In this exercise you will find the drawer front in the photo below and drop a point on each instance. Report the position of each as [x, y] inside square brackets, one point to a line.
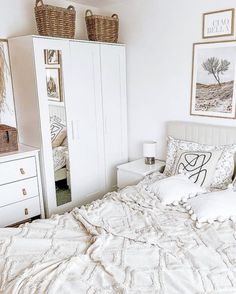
[17, 170]
[125, 178]
[19, 211]
[18, 191]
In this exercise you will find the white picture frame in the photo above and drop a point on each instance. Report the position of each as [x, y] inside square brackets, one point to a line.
[213, 93]
[218, 23]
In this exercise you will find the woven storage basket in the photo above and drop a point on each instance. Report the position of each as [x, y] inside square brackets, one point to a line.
[8, 139]
[55, 21]
[102, 28]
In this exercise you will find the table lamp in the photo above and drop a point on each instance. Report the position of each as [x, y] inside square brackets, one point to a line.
[149, 152]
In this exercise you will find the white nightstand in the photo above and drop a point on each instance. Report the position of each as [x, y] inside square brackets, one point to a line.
[132, 172]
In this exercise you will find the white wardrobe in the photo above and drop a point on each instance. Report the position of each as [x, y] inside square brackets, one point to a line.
[93, 81]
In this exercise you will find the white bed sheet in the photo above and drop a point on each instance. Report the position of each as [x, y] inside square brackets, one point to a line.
[127, 242]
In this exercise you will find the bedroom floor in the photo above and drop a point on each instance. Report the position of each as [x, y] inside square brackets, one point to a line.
[63, 193]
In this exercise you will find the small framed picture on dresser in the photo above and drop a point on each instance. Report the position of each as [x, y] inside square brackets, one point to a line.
[218, 23]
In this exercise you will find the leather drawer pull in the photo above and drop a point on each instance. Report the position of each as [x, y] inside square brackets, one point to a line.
[24, 191]
[26, 211]
[22, 171]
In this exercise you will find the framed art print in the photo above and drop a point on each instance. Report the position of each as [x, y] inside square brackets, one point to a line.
[7, 108]
[53, 80]
[52, 57]
[218, 23]
[213, 91]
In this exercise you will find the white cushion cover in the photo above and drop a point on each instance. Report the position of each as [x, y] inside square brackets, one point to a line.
[173, 189]
[58, 131]
[214, 206]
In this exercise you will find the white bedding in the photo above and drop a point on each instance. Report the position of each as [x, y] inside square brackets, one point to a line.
[126, 243]
[59, 157]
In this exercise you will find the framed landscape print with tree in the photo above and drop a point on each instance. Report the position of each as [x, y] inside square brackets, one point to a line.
[213, 91]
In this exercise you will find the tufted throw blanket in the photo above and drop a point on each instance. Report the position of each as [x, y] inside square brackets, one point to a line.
[125, 243]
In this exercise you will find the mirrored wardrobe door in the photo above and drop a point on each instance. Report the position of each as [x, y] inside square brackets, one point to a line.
[52, 66]
[58, 125]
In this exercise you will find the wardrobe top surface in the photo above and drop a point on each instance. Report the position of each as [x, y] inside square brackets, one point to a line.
[74, 40]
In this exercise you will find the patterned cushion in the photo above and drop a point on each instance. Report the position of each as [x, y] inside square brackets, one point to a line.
[225, 166]
[200, 165]
[58, 131]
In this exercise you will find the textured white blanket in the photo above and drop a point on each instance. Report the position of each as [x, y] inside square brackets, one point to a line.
[125, 243]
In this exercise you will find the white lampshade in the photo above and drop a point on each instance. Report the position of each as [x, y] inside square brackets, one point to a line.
[149, 149]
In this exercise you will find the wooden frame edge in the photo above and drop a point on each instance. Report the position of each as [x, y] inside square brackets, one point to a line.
[214, 12]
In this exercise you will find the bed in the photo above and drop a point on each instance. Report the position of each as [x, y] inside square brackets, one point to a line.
[127, 242]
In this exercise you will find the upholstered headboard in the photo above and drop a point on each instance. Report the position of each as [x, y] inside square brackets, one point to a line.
[202, 133]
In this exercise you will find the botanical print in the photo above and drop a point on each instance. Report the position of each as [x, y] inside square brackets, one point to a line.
[53, 84]
[7, 109]
[213, 91]
[52, 56]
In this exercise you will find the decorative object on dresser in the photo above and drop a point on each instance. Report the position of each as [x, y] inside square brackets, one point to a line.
[218, 23]
[20, 186]
[213, 79]
[55, 21]
[102, 28]
[149, 152]
[80, 167]
[8, 139]
[132, 172]
[7, 111]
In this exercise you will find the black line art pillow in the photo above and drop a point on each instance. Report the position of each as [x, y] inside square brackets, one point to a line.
[199, 165]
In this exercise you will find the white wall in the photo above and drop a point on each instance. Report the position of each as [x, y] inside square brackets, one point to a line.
[159, 36]
[17, 19]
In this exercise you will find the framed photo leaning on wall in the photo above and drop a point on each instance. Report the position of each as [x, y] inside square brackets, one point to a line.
[213, 91]
[218, 23]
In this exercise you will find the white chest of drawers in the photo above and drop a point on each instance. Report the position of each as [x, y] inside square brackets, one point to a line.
[20, 186]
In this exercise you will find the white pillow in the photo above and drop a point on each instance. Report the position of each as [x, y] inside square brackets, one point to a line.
[225, 166]
[173, 189]
[58, 131]
[214, 206]
[200, 165]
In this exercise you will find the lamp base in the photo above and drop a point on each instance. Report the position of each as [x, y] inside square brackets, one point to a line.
[149, 160]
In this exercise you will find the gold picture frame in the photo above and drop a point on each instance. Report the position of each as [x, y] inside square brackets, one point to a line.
[52, 57]
[218, 23]
[53, 84]
[203, 83]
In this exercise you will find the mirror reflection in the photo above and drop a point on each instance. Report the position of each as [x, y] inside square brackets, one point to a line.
[58, 127]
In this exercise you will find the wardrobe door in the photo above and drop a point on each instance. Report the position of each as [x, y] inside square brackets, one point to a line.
[113, 73]
[87, 172]
[52, 71]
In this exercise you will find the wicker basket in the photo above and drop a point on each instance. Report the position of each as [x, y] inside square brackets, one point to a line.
[55, 21]
[102, 28]
[8, 139]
